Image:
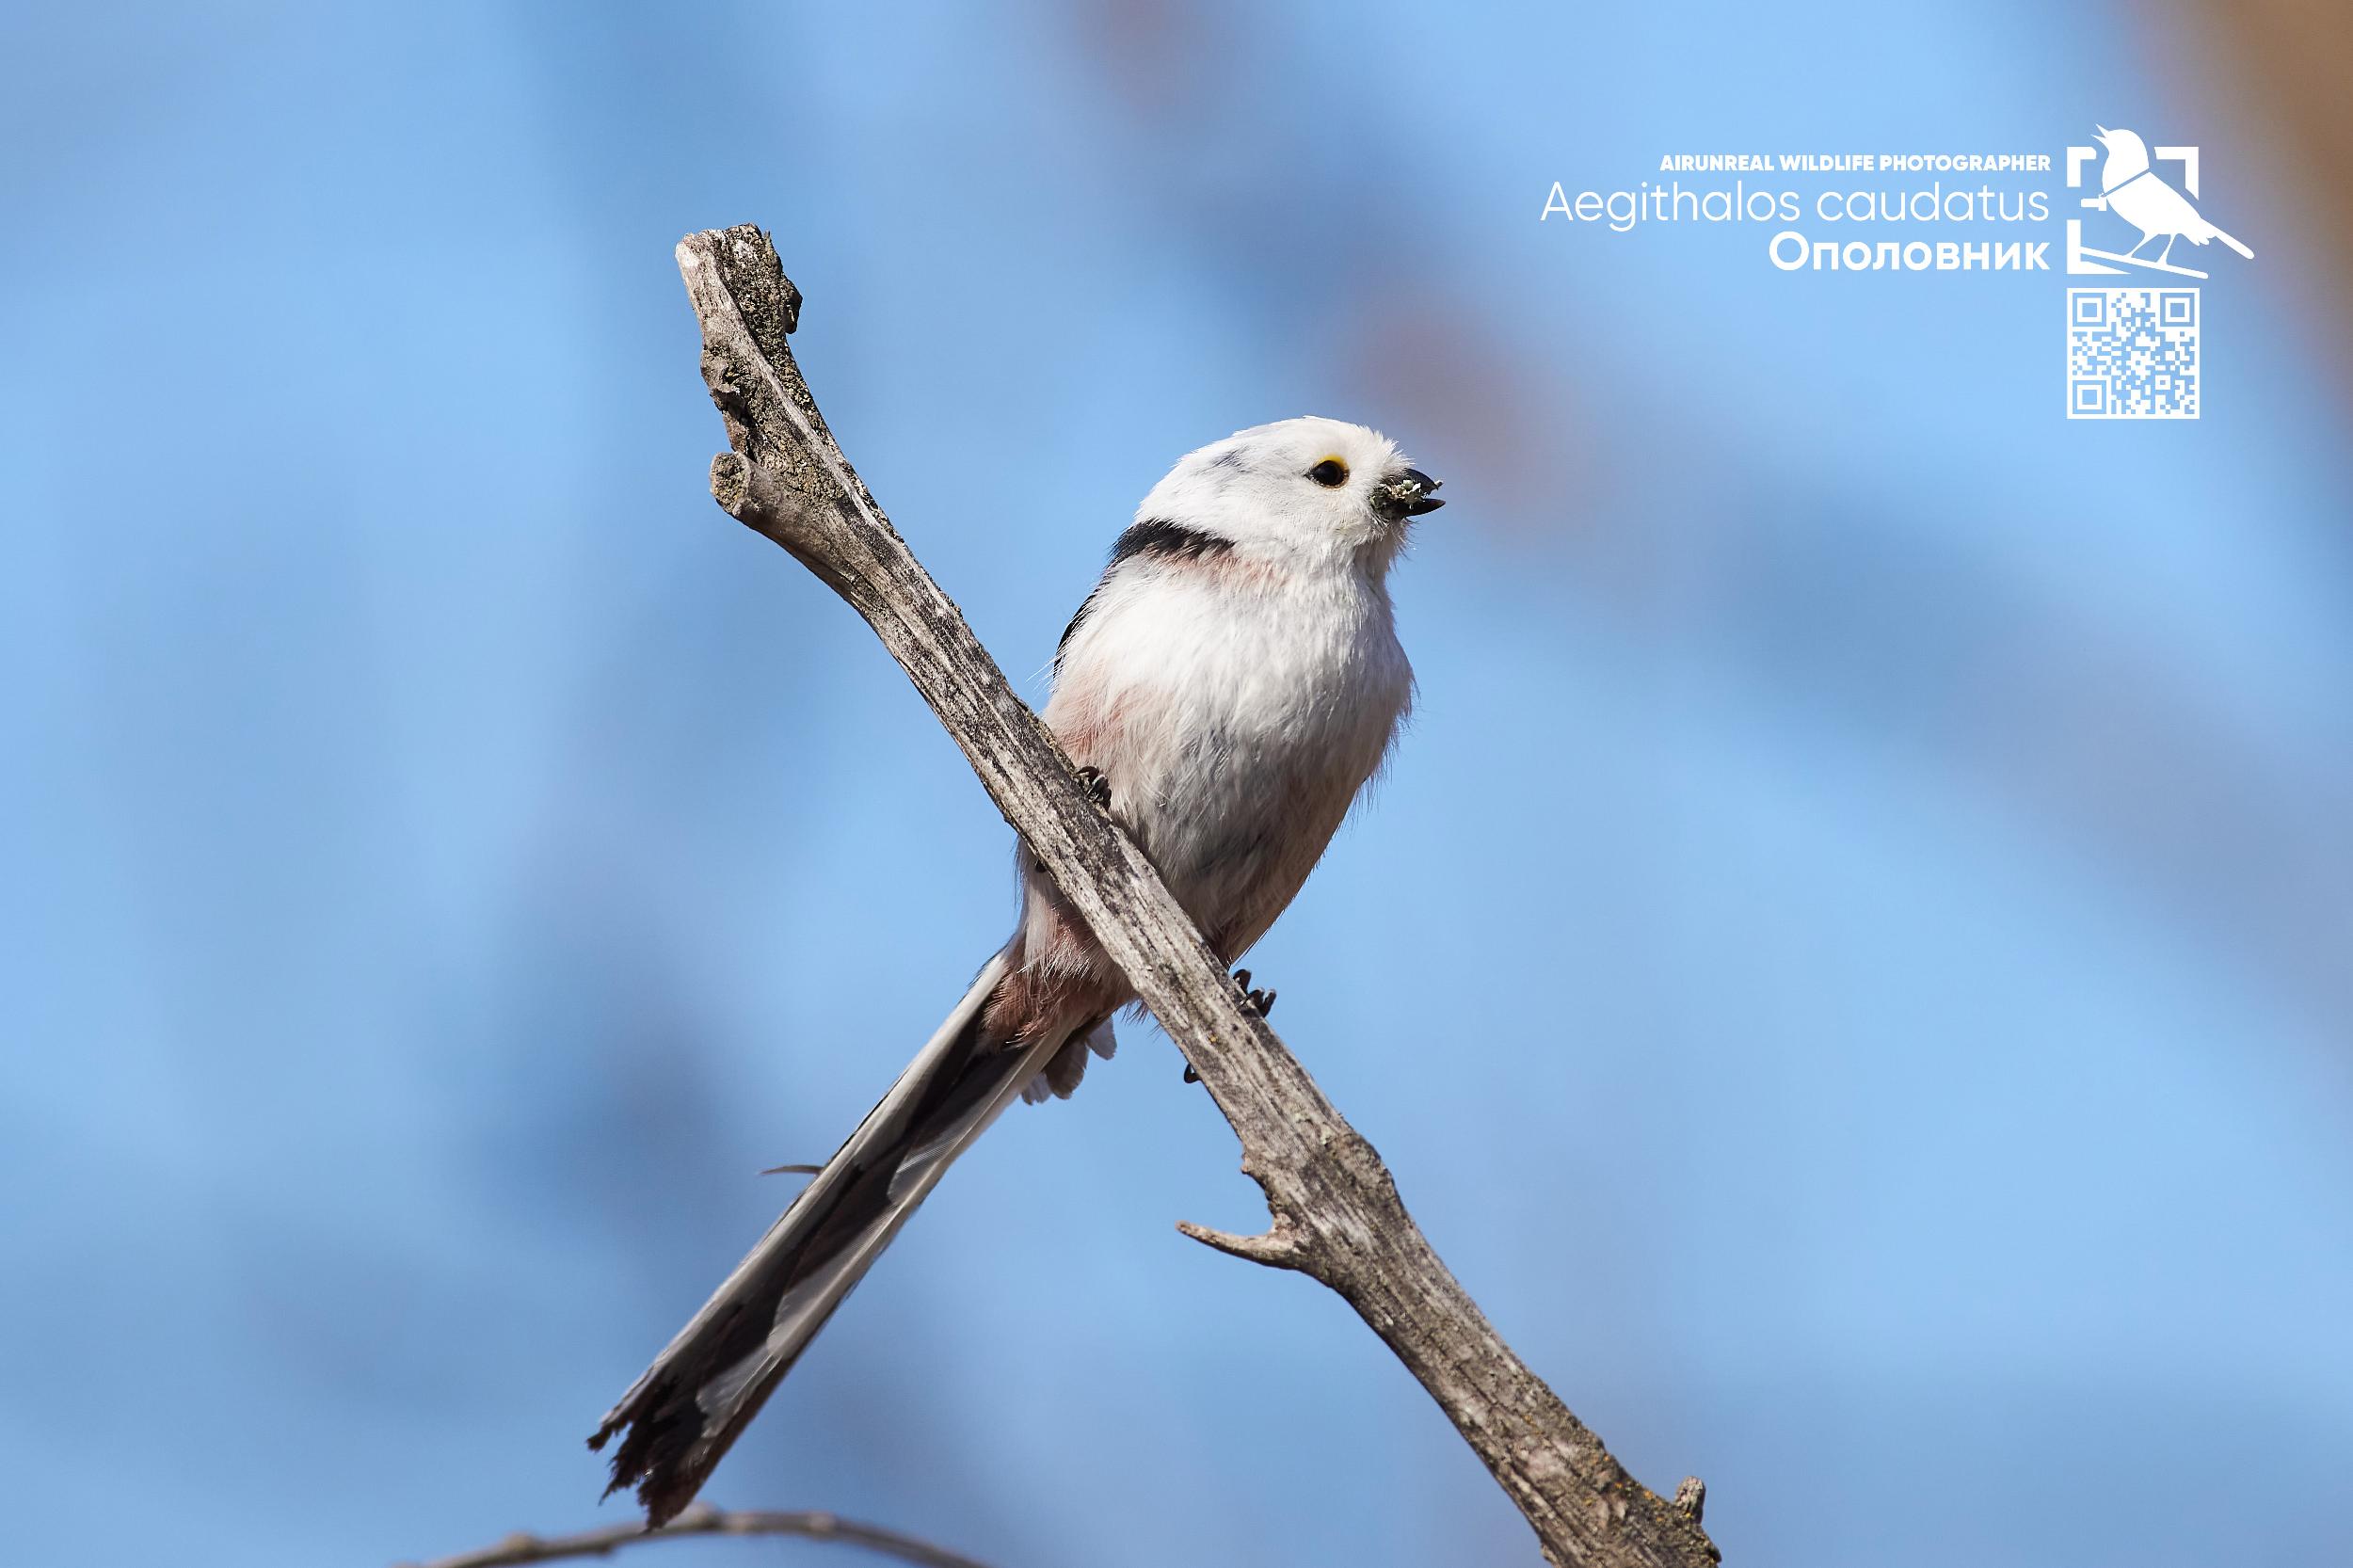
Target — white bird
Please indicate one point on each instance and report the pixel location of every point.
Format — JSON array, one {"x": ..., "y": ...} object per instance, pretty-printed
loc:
[
  {"x": 1232, "y": 681},
  {"x": 2131, "y": 188}
]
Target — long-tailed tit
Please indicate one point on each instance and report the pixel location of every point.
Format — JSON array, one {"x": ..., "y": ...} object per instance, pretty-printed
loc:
[{"x": 1233, "y": 680}]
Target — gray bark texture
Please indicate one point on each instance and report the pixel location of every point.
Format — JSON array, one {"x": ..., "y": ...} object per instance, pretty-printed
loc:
[{"x": 1337, "y": 1216}]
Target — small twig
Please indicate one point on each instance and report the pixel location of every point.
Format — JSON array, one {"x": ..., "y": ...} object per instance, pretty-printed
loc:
[{"x": 703, "y": 1519}]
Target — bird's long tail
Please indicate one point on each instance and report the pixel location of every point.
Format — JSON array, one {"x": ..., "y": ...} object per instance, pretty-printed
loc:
[
  {"x": 2231, "y": 243},
  {"x": 679, "y": 1417}
]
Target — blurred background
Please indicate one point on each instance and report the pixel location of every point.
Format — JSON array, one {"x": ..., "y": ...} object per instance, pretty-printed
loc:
[{"x": 1849, "y": 965}]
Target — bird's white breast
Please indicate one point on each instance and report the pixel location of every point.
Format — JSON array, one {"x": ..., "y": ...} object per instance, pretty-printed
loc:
[{"x": 1237, "y": 707}]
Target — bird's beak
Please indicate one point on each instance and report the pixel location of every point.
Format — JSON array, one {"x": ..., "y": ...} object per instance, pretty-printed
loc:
[
  {"x": 2099, "y": 135},
  {"x": 1405, "y": 495}
]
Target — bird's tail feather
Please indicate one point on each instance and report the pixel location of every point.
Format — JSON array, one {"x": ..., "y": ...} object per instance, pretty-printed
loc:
[
  {"x": 679, "y": 1417},
  {"x": 2231, "y": 243}
]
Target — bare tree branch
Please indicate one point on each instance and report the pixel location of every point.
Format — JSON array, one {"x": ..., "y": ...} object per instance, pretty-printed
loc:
[
  {"x": 1335, "y": 1211},
  {"x": 703, "y": 1519}
]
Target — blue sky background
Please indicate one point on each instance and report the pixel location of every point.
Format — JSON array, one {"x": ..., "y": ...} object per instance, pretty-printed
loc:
[{"x": 1849, "y": 966}]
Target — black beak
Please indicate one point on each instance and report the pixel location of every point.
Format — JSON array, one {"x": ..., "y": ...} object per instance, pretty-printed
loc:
[{"x": 1405, "y": 495}]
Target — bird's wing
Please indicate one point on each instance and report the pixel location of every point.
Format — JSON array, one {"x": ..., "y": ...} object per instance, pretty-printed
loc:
[{"x": 2156, "y": 208}]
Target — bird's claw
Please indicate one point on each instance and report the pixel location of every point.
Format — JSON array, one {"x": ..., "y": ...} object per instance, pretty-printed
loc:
[
  {"x": 1260, "y": 1003},
  {"x": 1098, "y": 788}
]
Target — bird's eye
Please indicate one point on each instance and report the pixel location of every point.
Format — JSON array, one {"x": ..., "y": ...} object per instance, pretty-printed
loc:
[{"x": 1331, "y": 474}]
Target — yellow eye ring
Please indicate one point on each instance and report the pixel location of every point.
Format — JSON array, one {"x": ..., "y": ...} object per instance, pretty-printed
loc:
[{"x": 1331, "y": 474}]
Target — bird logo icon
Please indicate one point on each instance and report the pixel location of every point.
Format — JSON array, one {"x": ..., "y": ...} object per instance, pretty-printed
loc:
[{"x": 2131, "y": 187}]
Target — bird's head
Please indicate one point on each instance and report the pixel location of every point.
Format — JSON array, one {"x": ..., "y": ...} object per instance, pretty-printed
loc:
[
  {"x": 2124, "y": 146},
  {"x": 1305, "y": 488}
]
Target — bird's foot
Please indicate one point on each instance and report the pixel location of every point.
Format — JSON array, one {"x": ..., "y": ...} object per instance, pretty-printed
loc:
[
  {"x": 1260, "y": 1003},
  {"x": 1097, "y": 787}
]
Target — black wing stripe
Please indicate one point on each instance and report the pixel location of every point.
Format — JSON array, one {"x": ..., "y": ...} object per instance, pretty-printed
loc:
[
  {"x": 1157, "y": 538},
  {"x": 1170, "y": 540}
]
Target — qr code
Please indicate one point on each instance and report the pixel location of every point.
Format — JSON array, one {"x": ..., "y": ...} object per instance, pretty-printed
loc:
[{"x": 2132, "y": 353}]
